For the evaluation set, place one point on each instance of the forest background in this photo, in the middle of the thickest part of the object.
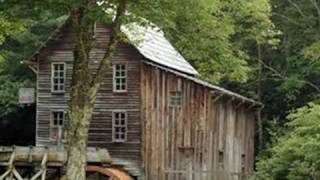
(268, 50)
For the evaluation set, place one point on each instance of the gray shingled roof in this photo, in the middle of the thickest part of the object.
(152, 44)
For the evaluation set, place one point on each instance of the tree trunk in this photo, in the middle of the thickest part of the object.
(85, 85)
(80, 112)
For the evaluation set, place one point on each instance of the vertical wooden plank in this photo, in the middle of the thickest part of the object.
(143, 116)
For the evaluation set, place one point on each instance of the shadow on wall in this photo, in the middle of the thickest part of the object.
(18, 128)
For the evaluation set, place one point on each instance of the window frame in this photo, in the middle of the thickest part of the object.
(114, 126)
(52, 125)
(52, 77)
(114, 78)
(171, 104)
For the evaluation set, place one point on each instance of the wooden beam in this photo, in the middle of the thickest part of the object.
(5, 174)
(231, 99)
(31, 64)
(16, 174)
(240, 104)
(252, 105)
(44, 166)
(217, 98)
(36, 175)
(33, 69)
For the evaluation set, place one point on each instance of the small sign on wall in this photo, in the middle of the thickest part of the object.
(26, 95)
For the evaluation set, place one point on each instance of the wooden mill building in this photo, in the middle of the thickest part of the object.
(155, 117)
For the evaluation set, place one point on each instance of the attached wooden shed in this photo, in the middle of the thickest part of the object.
(155, 117)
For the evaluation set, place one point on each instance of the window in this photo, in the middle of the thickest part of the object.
(58, 77)
(57, 125)
(243, 159)
(119, 130)
(175, 99)
(119, 78)
(221, 157)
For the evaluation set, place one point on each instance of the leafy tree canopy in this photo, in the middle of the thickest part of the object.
(295, 155)
(213, 34)
(25, 27)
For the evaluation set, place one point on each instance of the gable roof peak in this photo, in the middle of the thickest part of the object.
(153, 45)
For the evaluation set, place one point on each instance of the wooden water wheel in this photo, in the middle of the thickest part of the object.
(39, 162)
(105, 173)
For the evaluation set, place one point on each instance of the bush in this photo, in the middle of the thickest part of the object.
(296, 154)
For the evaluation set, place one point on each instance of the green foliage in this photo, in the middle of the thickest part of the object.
(213, 34)
(290, 77)
(8, 27)
(296, 154)
(8, 95)
(291, 80)
(312, 51)
(21, 41)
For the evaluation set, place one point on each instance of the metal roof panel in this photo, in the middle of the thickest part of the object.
(152, 44)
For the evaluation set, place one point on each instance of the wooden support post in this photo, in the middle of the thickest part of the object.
(240, 104)
(231, 99)
(252, 105)
(30, 154)
(217, 98)
(32, 65)
(42, 172)
(44, 166)
(38, 174)
(9, 173)
(5, 174)
(16, 174)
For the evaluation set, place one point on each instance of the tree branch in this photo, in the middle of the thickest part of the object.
(297, 7)
(317, 8)
(283, 77)
(114, 40)
(287, 18)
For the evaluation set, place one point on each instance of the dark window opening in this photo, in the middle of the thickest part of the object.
(58, 77)
(119, 126)
(57, 125)
(119, 78)
(175, 99)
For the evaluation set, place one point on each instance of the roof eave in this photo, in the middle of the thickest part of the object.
(214, 89)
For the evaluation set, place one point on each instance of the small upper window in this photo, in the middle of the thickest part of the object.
(243, 160)
(221, 159)
(119, 78)
(175, 99)
(57, 125)
(119, 130)
(58, 77)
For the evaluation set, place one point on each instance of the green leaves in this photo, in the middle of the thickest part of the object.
(22, 29)
(8, 95)
(9, 27)
(213, 34)
(312, 52)
(295, 155)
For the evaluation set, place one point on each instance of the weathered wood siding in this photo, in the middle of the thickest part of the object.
(203, 139)
(212, 139)
(100, 133)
